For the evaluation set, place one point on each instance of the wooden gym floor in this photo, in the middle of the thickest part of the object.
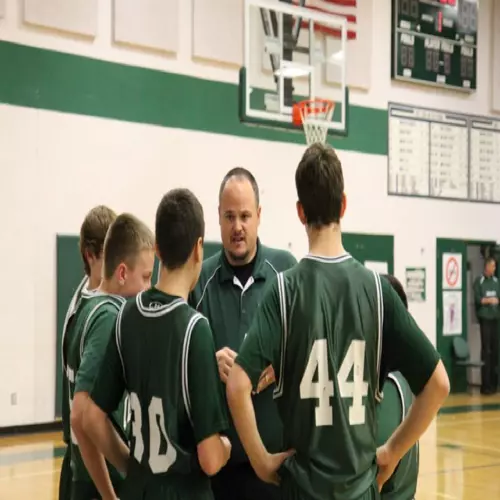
(459, 456)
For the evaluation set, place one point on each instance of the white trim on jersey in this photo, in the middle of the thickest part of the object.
(329, 260)
(118, 338)
(92, 312)
(154, 312)
(278, 391)
(69, 313)
(380, 310)
(185, 363)
(394, 379)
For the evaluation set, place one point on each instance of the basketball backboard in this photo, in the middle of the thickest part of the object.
(293, 52)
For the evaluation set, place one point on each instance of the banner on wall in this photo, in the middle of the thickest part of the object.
(415, 284)
(452, 313)
(452, 271)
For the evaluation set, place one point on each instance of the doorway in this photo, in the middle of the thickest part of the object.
(458, 264)
(475, 262)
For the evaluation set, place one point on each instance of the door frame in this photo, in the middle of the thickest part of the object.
(458, 375)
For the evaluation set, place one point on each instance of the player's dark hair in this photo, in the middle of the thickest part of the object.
(241, 173)
(179, 225)
(93, 233)
(127, 237)
(398, 288)
(320, 185)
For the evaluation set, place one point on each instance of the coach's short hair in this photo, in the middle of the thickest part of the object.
(127, 237)
(320, 185)
(179, 225)
(241, 173)
(398, 288)
(93, 233)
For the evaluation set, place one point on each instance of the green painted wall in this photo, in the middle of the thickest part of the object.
(374, 247)
(45, 79)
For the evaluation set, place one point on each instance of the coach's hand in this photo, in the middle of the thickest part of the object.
(225, 361)
(266, 379)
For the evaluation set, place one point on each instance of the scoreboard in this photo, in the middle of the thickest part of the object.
(434, 42)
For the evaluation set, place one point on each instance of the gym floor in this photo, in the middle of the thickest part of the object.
(459, 456)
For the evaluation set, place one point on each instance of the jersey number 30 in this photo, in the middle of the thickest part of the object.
(159, 463)
(323, 389)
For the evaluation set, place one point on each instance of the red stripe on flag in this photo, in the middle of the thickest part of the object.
(343, 3)
(351, 18)
(326, 30)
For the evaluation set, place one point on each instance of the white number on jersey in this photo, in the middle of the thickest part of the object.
(323, 389)
(159, 463)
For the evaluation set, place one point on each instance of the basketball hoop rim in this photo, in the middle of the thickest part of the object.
(301, 110)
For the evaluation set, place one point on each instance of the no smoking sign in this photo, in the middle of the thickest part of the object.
(452, 271)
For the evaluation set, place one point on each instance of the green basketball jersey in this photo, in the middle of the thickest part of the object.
(88, 334)
(328, 372)
(164, 357)
(64, 345)
(391, 411)
(331, 327)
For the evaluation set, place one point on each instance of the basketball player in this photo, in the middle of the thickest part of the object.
(164, 357)
(128, 266)
(327, 326)
(92, 233)
(394, 407)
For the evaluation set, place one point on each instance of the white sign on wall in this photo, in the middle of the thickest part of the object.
(377, 266)
(452, 313)
(452, 271)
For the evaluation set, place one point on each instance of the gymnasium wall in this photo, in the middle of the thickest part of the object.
(87, 120)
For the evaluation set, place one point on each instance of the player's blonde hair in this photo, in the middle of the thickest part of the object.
(127, 237)
(93, 233)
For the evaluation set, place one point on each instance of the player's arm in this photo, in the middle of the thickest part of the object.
(260, 349)
(407, 349)
(208, 415)
(104, 399)
(95, 340)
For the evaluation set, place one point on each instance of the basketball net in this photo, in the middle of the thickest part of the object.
(314, 116)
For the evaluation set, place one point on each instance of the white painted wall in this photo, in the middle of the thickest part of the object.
(50, 162)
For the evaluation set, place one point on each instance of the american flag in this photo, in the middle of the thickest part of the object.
(342, 8)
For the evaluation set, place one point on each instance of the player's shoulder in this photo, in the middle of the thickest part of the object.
(108, 303)
(97, 306)
(199, 329)
(279, 259)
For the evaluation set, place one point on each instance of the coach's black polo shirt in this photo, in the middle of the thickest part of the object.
(230, 306)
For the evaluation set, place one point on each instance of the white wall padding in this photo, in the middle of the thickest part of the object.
(152, 24)
(73, 16)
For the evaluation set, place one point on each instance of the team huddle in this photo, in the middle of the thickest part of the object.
(246, 375)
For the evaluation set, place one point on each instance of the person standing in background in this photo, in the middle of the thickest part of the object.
(486, 298)
(228, 294)
(92, 234)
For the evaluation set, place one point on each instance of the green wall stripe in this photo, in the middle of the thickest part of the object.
(45, 79)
